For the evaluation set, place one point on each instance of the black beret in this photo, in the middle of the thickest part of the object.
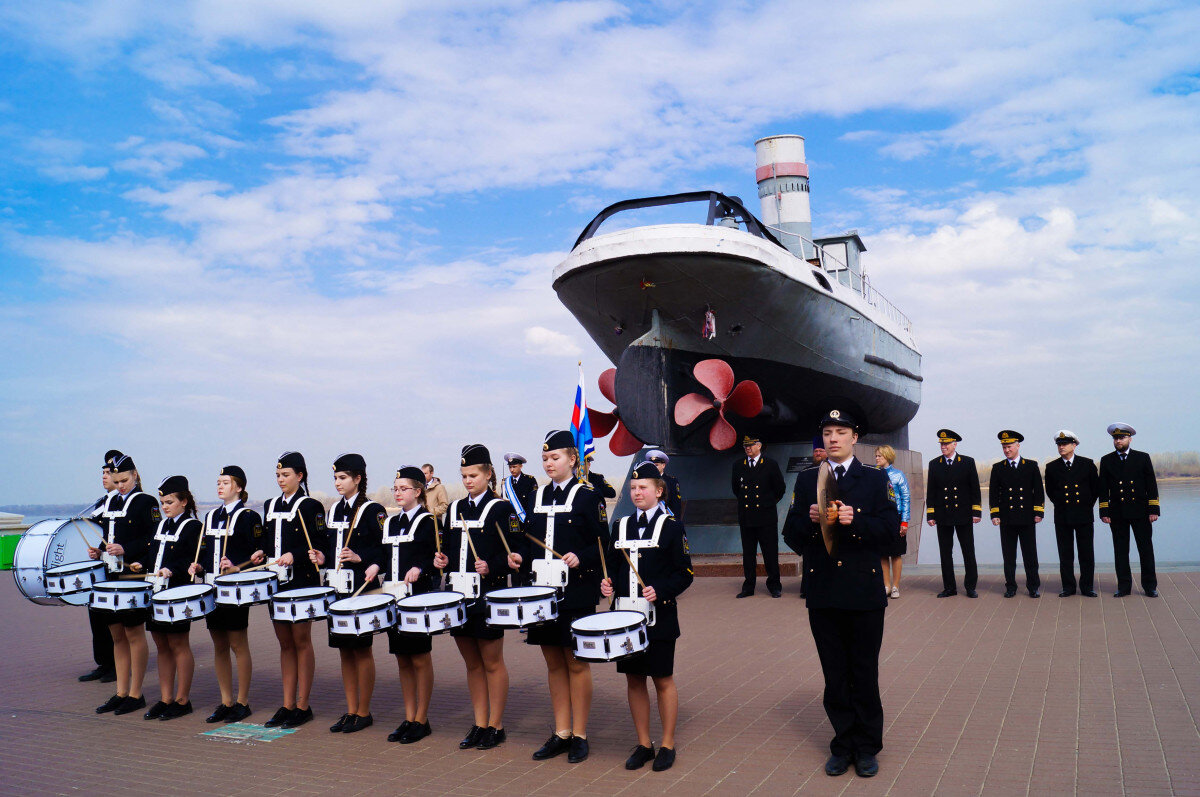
(234, 471)
(411, 472)
(838, 418)
(347, 463)
(948, 436)
(475, 454)
(173, 484)
(558, 439)
(293, 460)
(646, 470)
(111, 455)
(1007, 436)
(123, 464)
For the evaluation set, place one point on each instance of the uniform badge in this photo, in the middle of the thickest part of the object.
(155, 514)
(514, 525)
(258, 530)
(382, 517)
(603, 514)
(835, 414)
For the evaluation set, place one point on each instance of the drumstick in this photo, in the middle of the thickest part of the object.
(641, 583)
(437, 542)
(471, 542)
(349, 534)
(81, 534)
(307, 539)
(360, 589)
(199, 543)
(603, 563)
(256, 567)
(544, 545)
(500, 531)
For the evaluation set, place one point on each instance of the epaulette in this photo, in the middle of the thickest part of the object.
(812, 467)
(872, 467)
(586, 484)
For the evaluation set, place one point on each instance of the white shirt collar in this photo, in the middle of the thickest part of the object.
(562, 485)
(229, 505)
(349, 499)
(1069, 459)
(409, 514)
(1012, 462)
(845, 464)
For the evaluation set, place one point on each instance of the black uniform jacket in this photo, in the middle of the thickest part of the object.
(525, 486)
(414, 544)
(850, 578)
(133, 526)
(500, 519)
(365, 537)
(1128, 490)
(673, 496)
(1073, 492)
(581, 531)
(1015, 495)
(667, 567)
(282, 519)
(247, 537)
(177, 537)
(758, 490)
(601, 485)
(952, 495)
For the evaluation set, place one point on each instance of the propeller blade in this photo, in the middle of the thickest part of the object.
(745, 400)
(716, 375)
(602, 422)
(691, 407)
(623, 443)
(607, 382)
(722, 436)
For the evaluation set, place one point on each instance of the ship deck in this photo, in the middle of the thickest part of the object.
(1049, 696)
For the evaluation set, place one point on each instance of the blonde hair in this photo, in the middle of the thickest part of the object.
(888, 453)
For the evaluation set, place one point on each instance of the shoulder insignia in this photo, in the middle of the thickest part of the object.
(514, 525)
(319, 519)
(155, 514)
(686, 549)
(382, 516)
(603, 514)
(587, 484)
(872, 467)
(258, 530)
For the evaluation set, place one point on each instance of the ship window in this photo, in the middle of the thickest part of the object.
(821, 279)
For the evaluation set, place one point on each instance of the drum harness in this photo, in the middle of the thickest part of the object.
(224, 531)
(634, 547)
(466, 526)
(163, 537)
(115, 563)
(395, 539)
(552, 510)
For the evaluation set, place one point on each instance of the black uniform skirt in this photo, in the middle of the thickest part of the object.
(898, 546)
(180, 627)
(557, 633)
(348, 642)
(130, 618)
(401, 643)
(476, 626)
(228, 618)
(656, 661)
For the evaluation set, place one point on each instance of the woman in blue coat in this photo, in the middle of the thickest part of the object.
(885, 459)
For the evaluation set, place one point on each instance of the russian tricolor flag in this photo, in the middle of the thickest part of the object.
(581, 427)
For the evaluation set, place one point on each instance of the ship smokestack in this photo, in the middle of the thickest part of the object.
(782, 177)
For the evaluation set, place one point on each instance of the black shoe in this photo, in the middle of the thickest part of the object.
(555, 745)
(745, 593)
(108, 677)
(238, 713)
(416, 732)
(1010, 592)
(1121, 593)
(340, 725)
(1151, 593)
(472, 738)
(110, 704)
(280, 716)
(492, 737)
(664, 760)
(803, 595)
(946, 593)
(579, 750)
(1065, 593)
(972, 593)
(156, 711)
(219, 713)
(837, 765)
(640, 755)
(298, 717)
(401, 729)
(866, 766)
(130, 705)
(357, 723)
(1033, 593)
(1089, 593)
(776, 592)
(176, 710)
(97, 674)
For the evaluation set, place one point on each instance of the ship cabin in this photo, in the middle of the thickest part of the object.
(840, 257)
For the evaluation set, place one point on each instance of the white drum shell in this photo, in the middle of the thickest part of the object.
(46, 544)
(188, 602)
(609, 636)
(76, 578)
(520, 607)
(301, 604)
(550, 573)
(246, 589)
(119, 596)
(467, 584)
(431, 612)
(362, 615)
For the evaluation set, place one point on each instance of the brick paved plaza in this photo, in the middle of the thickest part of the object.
(1050, 696)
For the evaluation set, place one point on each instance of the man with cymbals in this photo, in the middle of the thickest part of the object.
(846, 601)
(1072, 486)
(953, 504)
(1017, 502)
(1129, 500)
(758, 486)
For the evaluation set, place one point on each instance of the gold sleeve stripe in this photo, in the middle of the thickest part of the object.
(928, 510)
(1154, 501)
(1103, 504)
(995, 510)
(1037, 508)
(976, 508)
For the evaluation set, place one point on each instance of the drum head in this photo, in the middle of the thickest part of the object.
(521, 593)
(303, 593)
(603, 622)
(75, 567)
(432, 600)
(361, 603)
(123, 586)
(257, 577)
(185, 592)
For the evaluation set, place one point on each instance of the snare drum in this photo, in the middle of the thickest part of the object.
(51, 543)
(431, 612)
(362, 615)
(466, 584)
(302, 604)
(72, 583)
(609, 636)
(180, 604)
(550, 573)
(518, 607)
(119, 596)
(246, 589)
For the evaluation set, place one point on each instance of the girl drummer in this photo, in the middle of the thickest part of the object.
(664, 566)
(130, 519)
(354, 535)
(473, 548)
(568, 518)
(295, 523)
(232, 533)
(409, 539)
(174, 545)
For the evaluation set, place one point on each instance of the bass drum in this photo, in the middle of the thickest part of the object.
(50, 543)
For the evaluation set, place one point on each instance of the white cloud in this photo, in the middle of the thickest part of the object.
(539, 340)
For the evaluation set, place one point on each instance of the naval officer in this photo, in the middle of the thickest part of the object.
(673, 496)
(846, 601)
(1016, 498)
(1072, 485)
(597, 480)
(758, 486)
(953, 504)
(1129, 500)
(518, 488)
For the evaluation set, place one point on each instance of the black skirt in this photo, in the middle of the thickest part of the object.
(179, 627)
(656, 661)
(130, 618)
(228, 618)
(557, 633)
(349, 642)
(476, 627)
(401, 643)
(898, 546)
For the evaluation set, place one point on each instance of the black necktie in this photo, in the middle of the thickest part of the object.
(1123, 457)
(949, 462)
(119, 501)
(839, 472)
(1068, 464)
(404, 522)
(220, 516)
(558, 495)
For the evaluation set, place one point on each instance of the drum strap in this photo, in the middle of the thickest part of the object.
(112, 515)
(550, 510)
(395, 539)
(465, 527)
(634, 547)
(165, 538)
(216, 534)
(277, 519)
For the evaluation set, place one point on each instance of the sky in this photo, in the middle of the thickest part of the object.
(234, 228)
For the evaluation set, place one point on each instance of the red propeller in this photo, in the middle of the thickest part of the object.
(623, 443)
(745, 400)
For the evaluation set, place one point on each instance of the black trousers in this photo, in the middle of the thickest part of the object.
(1068, 535)
(966, 542)
(1143, 529)
(102, 641)
(1010, 535)
(768, 538)
(848, 644)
